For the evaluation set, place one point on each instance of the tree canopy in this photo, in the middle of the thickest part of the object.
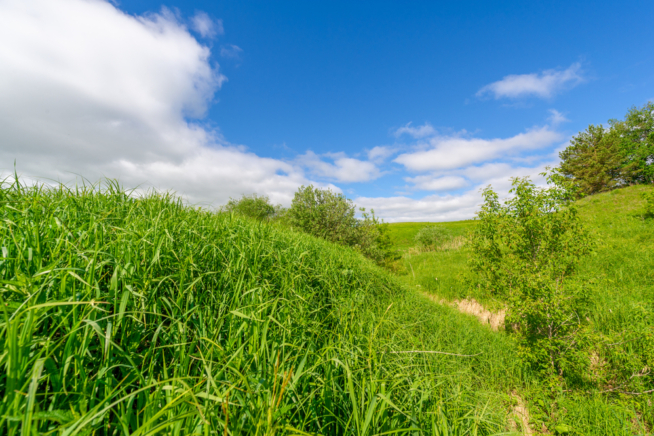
(600, 158)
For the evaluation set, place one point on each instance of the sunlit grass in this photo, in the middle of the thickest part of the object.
(143, 316)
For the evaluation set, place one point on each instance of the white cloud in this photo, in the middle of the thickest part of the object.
(557, 117)
(231, 51)
(89, 90)
(435, 208)
(447, 153)
(205, 26)
(543, 85)
(415, 132)
(380, 153)
(436, 183)
(343, 169)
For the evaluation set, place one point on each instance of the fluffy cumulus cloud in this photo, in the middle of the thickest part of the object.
(89, 90)
(544, 84)
(341, 168)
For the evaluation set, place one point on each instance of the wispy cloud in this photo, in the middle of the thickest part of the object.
(380, 153)
(446, 153)
(449, 207)
(205, 26)
(557, 117)
(436, 183)
(341, 168)
(544, 84)
(415, 132)
(231, 51)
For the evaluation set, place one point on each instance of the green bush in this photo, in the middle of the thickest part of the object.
(253, 206)
(527, 251)
(431, 237)
(331, 216)
(649, 203)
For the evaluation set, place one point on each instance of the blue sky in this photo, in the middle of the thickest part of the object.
(407, 108)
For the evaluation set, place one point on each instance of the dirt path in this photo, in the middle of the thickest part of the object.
(494, 320)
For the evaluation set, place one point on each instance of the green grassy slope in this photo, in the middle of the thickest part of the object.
(125, 316)
(621, 278)
(402, 234)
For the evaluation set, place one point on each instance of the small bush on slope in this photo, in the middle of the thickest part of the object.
(649, 203)
(253, 206)
(526, 250)
(144, 316)
(430, 237)
(331, 216)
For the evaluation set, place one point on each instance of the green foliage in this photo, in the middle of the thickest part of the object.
(331, 216)
(121, 315)
(636, 143)
(648, 196)
(601, 159)
(253, 206)
(526, 250)
(618, 335)
(593, 160)
(431, 237)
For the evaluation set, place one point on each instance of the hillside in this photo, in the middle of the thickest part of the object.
(620, 275)
(142, 316)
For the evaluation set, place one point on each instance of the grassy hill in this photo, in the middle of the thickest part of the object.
(143, 316)
(620, 275)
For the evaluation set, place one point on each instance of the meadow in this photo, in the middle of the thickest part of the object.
(125, 315)
(620, 274)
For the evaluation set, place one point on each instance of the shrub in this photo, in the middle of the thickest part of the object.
(649, 203)
(431, 237)
(527, 250)
(331, 216)
(253, 206)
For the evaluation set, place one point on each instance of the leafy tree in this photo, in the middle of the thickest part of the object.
(331, 216)
(600, 159)
(253, 206)
(594, 160)
(526, 250)
(636, 143)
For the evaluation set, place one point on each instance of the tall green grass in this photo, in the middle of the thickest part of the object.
(124, 315)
